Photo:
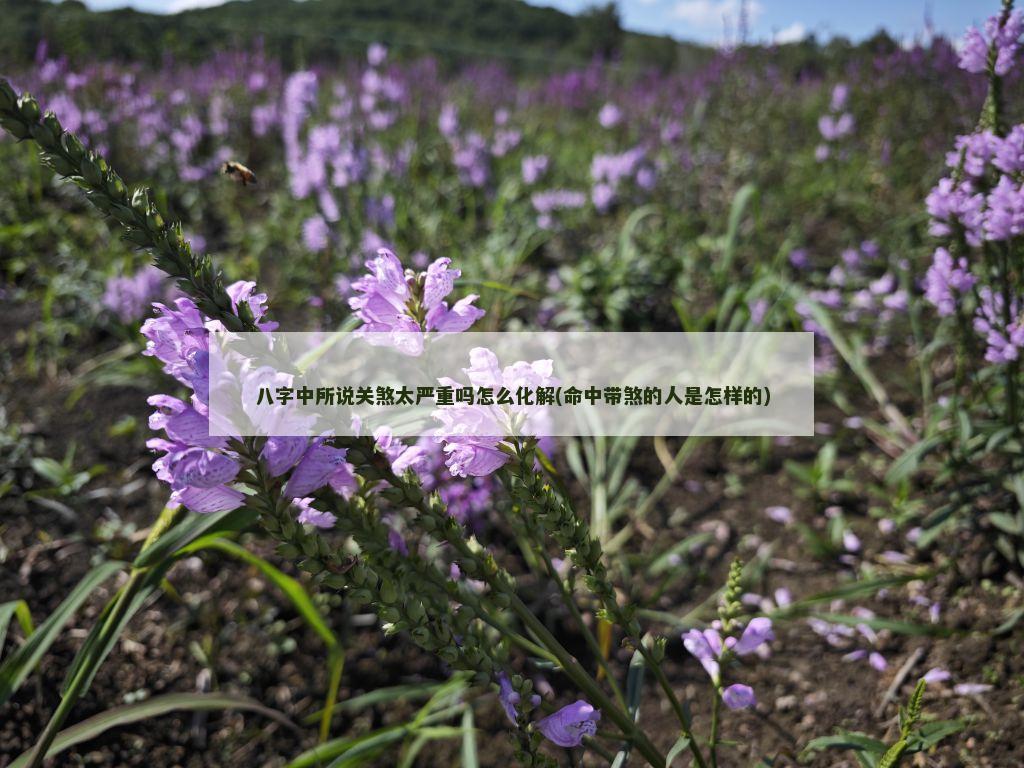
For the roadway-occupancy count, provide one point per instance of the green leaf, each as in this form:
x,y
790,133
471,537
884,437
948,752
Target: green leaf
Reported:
x,y
930,734
908,462
102,638
350,748
50,470
143,710
19,664
664,562
15,608
291,588
469,750
683,742
855,741
1007,523
410,692
190,529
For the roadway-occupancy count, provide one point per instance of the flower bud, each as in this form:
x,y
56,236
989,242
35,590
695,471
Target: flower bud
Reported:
x,y
15,127
29,109
8,98
43,136
73,146
50,121
91,172
420,635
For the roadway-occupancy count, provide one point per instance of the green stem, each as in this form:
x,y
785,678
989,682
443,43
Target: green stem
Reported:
x,y
570,603
716,712
680,713
76,687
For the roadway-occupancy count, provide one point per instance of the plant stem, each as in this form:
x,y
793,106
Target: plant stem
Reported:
x,y
716,712
76,687
570,603
684,721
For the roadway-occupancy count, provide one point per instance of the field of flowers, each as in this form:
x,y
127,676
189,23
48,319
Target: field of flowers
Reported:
x,y
168,598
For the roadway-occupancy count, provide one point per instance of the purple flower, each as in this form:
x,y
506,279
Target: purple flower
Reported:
x,y
1004,217
757,632
603,195
177,338
705,646
780,515
946,279
971,689
570,724
472,434
243,292
314,469
839,95
1004,342
1006,38
508,697
310,515
206,500
315,233
396,543
739,696
129,297
385,298
613,169
834,128
534,166
281,453
609,116
376,54
448,121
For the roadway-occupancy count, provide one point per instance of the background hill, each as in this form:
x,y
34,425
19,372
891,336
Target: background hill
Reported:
x,y
528,37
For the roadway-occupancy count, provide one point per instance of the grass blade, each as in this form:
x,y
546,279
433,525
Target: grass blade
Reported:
x,y
469,751
15,608
190,529
20,663
154,707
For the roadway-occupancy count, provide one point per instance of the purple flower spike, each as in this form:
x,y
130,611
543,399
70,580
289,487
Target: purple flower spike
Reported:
x,y
739,696
570,724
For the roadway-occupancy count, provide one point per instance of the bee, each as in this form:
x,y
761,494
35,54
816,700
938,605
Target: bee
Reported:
x,y
239,173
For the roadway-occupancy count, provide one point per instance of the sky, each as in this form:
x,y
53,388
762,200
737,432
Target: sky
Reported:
x,y
768,20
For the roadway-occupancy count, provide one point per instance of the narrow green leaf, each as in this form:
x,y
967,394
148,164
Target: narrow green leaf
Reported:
x,y
683,742
15,608
19,664
469,751
190,529
291,588
158,705
101,638
856,741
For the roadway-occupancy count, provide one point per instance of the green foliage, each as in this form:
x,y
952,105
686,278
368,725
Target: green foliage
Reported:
x,y
95,726
914,737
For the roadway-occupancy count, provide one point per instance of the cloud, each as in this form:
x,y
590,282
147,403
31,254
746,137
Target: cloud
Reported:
x,y
176,6
794,33
708,14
